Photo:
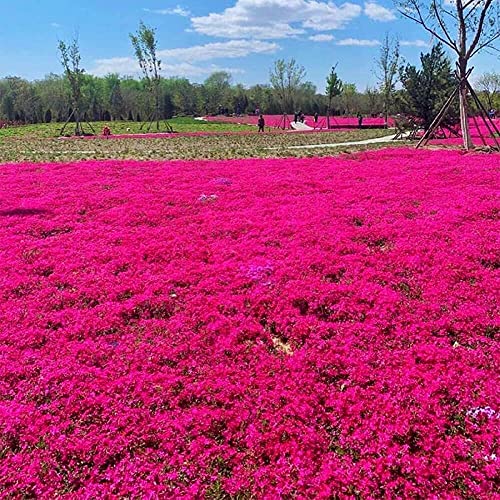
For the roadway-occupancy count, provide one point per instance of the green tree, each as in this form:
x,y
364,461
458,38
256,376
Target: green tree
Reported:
x,y
262,97
145,47
54,94
96,98
115,99
489,85
217,90
7,107
239,99
334,88
349,98
428,88
286,79
373,101
70,60
136,97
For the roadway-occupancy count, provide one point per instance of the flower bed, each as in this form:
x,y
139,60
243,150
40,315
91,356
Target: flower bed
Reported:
x,y
481,134
276,120
278,328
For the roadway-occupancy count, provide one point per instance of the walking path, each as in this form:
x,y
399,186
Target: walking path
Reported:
x,y
377,140
300,126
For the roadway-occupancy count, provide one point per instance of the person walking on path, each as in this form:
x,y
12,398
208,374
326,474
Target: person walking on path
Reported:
x,y
261,123
360,120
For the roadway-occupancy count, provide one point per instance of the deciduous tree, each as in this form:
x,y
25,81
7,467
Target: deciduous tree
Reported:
x,y
489,84
334,88
388,65
145,47
70,60
286,78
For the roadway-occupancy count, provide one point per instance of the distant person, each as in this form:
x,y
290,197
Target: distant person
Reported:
x,y
106,131
296,116
492,113
257,111
316,117
360,120
261,123
301,117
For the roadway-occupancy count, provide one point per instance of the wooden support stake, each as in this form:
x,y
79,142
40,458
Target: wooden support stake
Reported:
x,y
437,121
487,120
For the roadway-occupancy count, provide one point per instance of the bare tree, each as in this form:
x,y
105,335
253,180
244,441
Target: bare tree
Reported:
x,y
465,26
145,48
388,65
70,60
286,78
334,88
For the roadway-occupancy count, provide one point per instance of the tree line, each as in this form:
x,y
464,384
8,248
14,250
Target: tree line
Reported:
x,y
113,97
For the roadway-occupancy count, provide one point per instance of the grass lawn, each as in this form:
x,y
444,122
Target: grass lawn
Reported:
x,y
180,124
37,143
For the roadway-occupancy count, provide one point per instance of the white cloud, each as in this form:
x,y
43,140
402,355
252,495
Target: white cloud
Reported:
x,y
181,61
220,50
128,66
356,42
55,25
321,38
275,19
414,43
176,11
378,13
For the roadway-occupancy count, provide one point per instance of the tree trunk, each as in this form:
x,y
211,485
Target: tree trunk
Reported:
x,y
464,114
78,129
386,110
490,101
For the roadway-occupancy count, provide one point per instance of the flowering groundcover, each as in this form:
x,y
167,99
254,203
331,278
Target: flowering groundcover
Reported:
x,y
321,327
277,120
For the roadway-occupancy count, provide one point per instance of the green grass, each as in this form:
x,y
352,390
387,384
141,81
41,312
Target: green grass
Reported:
x,y
37,148
180,124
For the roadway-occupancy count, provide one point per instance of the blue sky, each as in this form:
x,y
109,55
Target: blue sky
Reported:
x,y
197,37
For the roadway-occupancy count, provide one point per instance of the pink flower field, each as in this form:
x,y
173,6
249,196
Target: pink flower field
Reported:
x,y
287,328
336,122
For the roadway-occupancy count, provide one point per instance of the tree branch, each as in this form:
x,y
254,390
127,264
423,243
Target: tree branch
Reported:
x,y
442,24
496,36
475,42
473,8
423,23
470,2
